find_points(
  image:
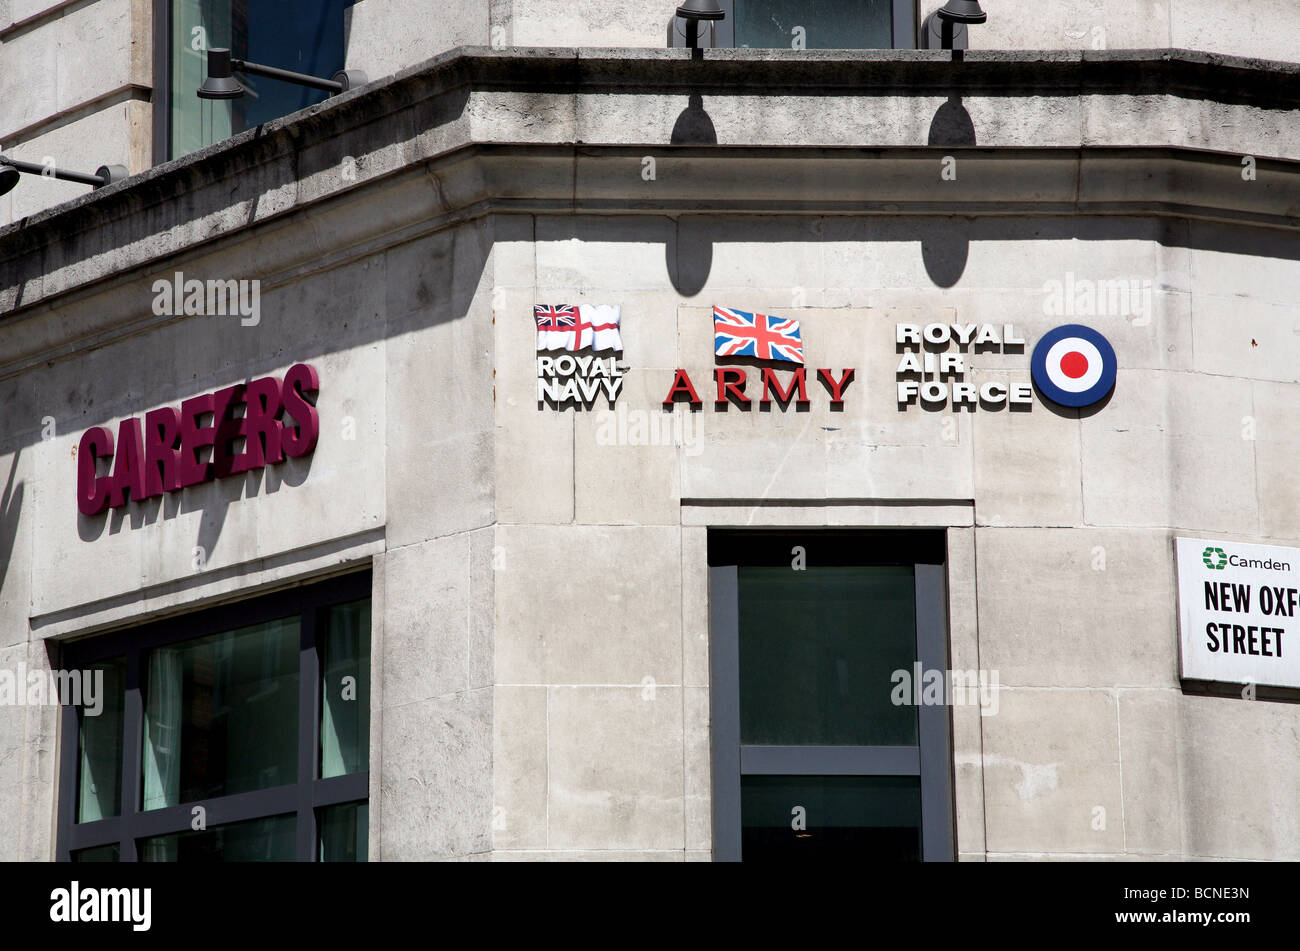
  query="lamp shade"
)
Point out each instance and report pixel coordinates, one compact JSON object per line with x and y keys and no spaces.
{"x":700,"y":10}
{"x":111,"y":174}
{"x":8,"y":179}
{"x":963,"y":11}
{"x":221,"y":83}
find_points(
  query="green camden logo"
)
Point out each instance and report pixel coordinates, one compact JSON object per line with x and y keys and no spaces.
{"x":1214,"y":558}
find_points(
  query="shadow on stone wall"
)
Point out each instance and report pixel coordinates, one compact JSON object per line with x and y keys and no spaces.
{"x":213,"y":499}
{"x":444,"y":278}
{"x":11,"y":506}
{"x":689,"y":252}
{"x":946,"y":252}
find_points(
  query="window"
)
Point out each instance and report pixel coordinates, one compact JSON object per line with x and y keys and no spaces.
{"x":241,"y":733}
{"x":305,"y":36}
{"x":813,"y":757}
{"x":818,"y":24}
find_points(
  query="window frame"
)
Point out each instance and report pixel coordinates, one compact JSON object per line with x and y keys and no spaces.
{"x":163,"y":60}
{"x":303,"y":797}
{"x":162,"y":81}
{"x":905,"y":18}
{"x":930,"y":759}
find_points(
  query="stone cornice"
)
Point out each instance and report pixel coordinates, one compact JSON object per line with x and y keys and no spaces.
{"x":541,"y":130}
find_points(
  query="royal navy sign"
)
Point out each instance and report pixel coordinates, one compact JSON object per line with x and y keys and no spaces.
{"x":1237,"y":609}
{"x":575,"y":377}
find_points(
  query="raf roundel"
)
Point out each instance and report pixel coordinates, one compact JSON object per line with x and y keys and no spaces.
{"x":1074,"y":366}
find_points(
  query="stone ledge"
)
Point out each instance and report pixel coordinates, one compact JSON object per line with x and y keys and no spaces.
{"x":482,"y":180}
{"x":427,"y":114}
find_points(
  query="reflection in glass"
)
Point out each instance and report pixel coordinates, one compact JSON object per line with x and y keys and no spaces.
{"x":100,"y":853}
{"x":259,"y":840}
{"x":818,"y":649}
{"x":344,"y":832}
{"x":345,"y":691}
{"x":822,"y":24}
{"x":221,"y":715}
{"x":877,"y":818}
{"x":99,"y":786}
{"x":305,"y":36}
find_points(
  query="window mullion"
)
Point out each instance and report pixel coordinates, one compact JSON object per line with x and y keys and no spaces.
{"x":724,"y":659}
{"x":308,"y":720}
{"x":132,"y":745}
{"x":830,"y":761}
{"x":905,"y":25}
{"x":220,"y":811}
{"x":936,"y":761}
{"x":69,"y":768}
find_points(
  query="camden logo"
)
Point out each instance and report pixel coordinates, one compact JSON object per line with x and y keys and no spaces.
{"x":1216,"y":560}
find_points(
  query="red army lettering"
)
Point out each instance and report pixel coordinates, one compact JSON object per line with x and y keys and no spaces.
{"x":730,"y":382}
{"x":772,"y":384}
{"x":682,"y":385}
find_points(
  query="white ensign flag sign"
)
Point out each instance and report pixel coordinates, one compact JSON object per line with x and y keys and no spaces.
{"x":1237,"y":609}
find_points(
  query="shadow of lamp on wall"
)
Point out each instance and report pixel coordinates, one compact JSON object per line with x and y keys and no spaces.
{"x":945,"y":244}
{"x":945,"y":249}
{"x":689,"y":252}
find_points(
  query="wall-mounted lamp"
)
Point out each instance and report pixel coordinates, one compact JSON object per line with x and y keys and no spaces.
{"x":10,"y":169}
{"x":693,"y":11}
{"x":222,"y":84}
{"x":954,"y":12}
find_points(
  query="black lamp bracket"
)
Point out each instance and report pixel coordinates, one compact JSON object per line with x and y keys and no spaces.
{"x":104,"y":175}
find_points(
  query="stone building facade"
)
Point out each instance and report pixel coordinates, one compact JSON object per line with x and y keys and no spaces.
{"x":546,"y":580}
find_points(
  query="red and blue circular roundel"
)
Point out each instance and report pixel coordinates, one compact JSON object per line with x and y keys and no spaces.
{"x":1074,"y":365}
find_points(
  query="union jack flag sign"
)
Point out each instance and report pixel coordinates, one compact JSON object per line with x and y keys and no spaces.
{"x":738,"y":334}
{"x":576,"y":327}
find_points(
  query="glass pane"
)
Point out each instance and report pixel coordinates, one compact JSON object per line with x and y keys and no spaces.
{"x":100,"y":853}
{"x":102,"y":719}
{"x":864,"y":818}
{"x":221,"y":715}
{"x":197,"y":25}
{"x":305,"y":36}
{"x":344,"y":832}
{"x":259,"y":840}
{"x":818,"y":649}
{"x":345,"y":687}
{"x":826,"y":24}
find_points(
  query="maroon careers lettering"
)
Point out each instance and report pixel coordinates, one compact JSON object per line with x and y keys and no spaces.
{"x":163,"y":454}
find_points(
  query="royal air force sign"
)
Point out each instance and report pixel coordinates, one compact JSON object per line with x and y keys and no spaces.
{"x":1074,"y":366}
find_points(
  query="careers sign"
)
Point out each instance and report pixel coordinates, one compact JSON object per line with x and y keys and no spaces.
{"x":1237,"y":609}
